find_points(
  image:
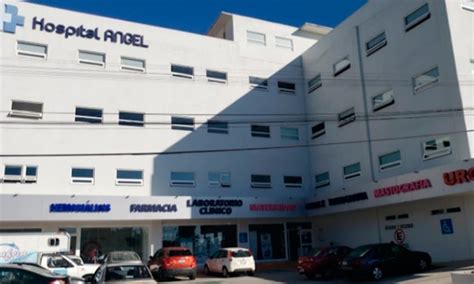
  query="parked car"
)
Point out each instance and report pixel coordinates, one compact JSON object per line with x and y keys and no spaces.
{"x":120,"y":256}
{"x":173,"y":261}
{"x":70,"y":265}
{"x":378,"y":260}
{"x":324,"y":261}
{"x":230,"y":260}
{"x":13,"y":273}
{"x":123,"y":272}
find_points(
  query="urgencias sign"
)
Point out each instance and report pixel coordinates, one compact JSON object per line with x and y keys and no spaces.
{"x":458,"y":177}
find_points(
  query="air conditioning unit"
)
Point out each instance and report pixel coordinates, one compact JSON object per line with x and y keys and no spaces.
{"x":437,"y":153}
{"x":25,"y":114}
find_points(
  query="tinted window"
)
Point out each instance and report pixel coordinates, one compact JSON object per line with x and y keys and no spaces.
{"x":360,"y":251}
{"x":179,"y":253}
{"x":127,"y":272}
{"x":241,"y":253}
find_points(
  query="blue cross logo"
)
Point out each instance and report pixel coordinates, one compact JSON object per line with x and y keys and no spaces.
{"x":9,"y":18}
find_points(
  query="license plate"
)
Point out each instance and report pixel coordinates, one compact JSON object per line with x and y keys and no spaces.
{"x":181,"y":261}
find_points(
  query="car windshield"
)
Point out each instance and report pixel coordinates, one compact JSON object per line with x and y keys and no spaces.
{"x":241,"y":253}
{"x":123,"y":272}
{"x":320,"y":252}
{"x":77,"y":260}
{"x":182,"y":252}
{"x":120,"y":256}
{"x":360,"y":251}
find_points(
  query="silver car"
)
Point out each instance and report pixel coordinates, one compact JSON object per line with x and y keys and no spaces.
{"x":123,"y":272}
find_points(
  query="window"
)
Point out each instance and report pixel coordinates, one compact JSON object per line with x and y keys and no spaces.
{"x":318,"y":130}
{"x":375,"y":44}
{"x":322,"y":180}
{"x":383,"y":100}
{"x":91,"y":58}
{"x":219,"y":179}
{"x":129,"y":177}
{"x":261,"y":181}
{"x":132,"y":64}
{"x":20,"y":173}
{"x":31,"y":49}
{"x":285,"y":43}
{"x":423,"y":81}
{"x":437,"y":211}
{"x":390,"y":160}
{"x":289,"y":133}
{"x":417,"y":17}
{"x":182,"y":179}
{"x":402,"y":216}
{"x":258,"y":83}
{"x":314,"y":83}
{"x":260,"y":131}
{"x":352,"y":171}
{"x":26,"y":109}
{"x":436,"y":148}
{"x":131,"y":118}
{"x":181,"y":71}
{"x":341,"y":66}
{"x":90,"y":115}
{"x":82,"y":176}
{"x":256,"y":38}
{"x":390,"y":218}
{"x":286,"y":87}
{"x":216,"y":76}
{"x":214,"y":126}
{"x":293,"y":181}
{"x":346,"y":117}
{"x":182,"y":123}
{"x":453,"y":210}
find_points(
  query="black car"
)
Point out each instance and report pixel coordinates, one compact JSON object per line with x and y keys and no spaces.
{"x":29,"y":274}
{"x":378,"y":260}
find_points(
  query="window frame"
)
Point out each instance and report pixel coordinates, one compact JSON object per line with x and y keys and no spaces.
{"x":217,"y":130}
{"x":82,"y":180}
{"x":94,"y":119}
{"x":293,"y":185}
{"x":320,"y":132}
{"x":343,"y":119}
{"x":283,"y":90}
{"x":337,"y":72}
{"x":290,"y":137}
{"x":31,"y":54}
{"x":180,"y":75}
{"x":291,"y":47}
{"x":260,"y":134}
{"x":183,"y":126}
{"x":323,"y":183}
{"x":391,"y":165}
{"x":352,"y":175}
{"x":317,"y":84}
{"x":257,"y":42}
{"x":131,"y":122}
{"x":377,"y":46}
{"x":257,"y":184}
{"x":129,"y":181}
{"x":262,"y":87}
{"x":422,"y":18}
{"x":384,"y":104}
{"x":91,"y":62}
{"x":420,"y":88}
{"x":25,"y":113}
{"x":22,"y":177}
{"x":132,"y":68}
{"x":182,"y":183}
{"x":216,"y":80}
{"x":222,"y":182}
{"x":445,"y":151}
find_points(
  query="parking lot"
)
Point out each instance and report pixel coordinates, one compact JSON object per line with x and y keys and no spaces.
{"x":440,"y":274}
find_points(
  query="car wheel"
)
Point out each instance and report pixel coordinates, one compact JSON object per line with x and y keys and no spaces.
{"x":251,"y":273}
{"x":206,"y":270}
{"x":422,"y":264}
{"x":192,"y":276}
{"x":377,"y":273}
{"x":88,"y":278}
{"x":225,"y":272}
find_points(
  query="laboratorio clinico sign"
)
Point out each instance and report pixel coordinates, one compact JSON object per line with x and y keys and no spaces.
{"x":214,"y":206}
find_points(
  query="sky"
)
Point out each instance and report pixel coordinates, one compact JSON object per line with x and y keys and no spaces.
{"x":197,"y":16}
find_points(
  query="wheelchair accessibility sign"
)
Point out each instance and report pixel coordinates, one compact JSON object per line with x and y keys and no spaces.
{"x":446,"y":226}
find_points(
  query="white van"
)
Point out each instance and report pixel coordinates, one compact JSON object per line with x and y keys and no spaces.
{"x":70,"y":265}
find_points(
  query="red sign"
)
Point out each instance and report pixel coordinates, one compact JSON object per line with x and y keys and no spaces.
{"x":459,"y":176}
{"x":402,"y":188}
{"x":273,"y":207}
{"x":399,"y":236}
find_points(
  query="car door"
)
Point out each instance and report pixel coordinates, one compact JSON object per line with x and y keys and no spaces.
{"x":221,"y":260}
{"x":403,"y":260}
{"x":211,"y":262}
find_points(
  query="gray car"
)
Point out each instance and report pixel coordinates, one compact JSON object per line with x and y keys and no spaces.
{"x":123,"y":272}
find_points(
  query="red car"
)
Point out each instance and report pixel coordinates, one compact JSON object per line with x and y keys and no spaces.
{"x":324,"y":262}
{"x":173,"y":261}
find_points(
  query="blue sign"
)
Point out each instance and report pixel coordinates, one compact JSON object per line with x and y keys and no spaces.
{"x":79,"y":208}
{"x":152,"y":208}
{"x":243,"y":238}
{"x":9,"y":18}
{"x":446,"y":226}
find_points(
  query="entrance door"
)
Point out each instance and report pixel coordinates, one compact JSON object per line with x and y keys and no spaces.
{"x":306,"y":242}
{"x":300,"y":239}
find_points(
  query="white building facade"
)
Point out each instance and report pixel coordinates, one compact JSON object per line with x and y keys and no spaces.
{"x":258,"y":134}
